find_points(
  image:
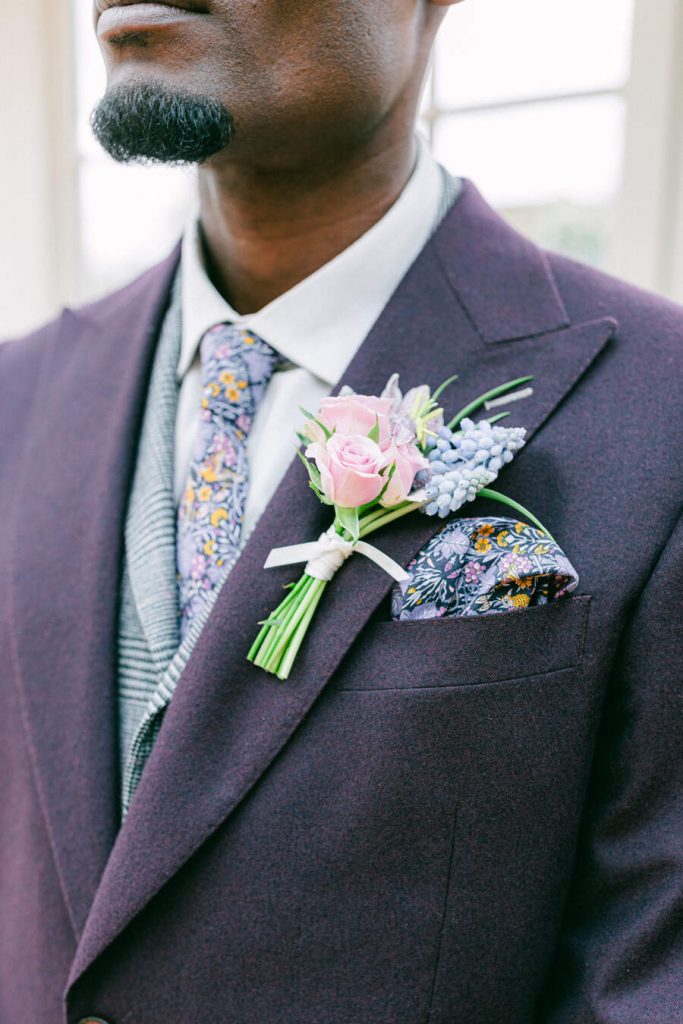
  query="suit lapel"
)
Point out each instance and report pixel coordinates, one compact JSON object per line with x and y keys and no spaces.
{"x":227,"y":720}
{"x":66,"y":571}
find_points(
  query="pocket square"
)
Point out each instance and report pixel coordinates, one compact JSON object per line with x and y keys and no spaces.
{"x":480,"y":567}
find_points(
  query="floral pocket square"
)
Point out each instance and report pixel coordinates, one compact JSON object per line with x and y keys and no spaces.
{"x":482,"y":566}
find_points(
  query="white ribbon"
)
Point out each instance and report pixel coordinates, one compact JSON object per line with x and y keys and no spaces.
{"x":325,"y":556}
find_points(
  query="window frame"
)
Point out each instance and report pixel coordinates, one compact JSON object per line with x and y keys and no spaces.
{"x":649,"y":239}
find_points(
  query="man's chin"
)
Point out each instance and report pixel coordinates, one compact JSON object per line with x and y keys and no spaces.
{"x":151,"y":122}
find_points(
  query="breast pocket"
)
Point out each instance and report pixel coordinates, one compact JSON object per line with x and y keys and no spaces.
{"x":472,"y":651}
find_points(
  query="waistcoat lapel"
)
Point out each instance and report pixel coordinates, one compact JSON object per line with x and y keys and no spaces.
{"x":480,"y":301}
{"x":66,"y":577}
{"x":150,"y":535}
{"x":148,"y":618}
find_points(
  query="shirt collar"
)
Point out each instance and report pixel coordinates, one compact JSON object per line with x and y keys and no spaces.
{"x":320,"y":323}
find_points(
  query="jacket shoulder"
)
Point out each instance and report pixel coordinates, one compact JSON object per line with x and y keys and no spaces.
{"x":57,"y":345}
{"x":644,"y":319}
{"x":20,"y":354}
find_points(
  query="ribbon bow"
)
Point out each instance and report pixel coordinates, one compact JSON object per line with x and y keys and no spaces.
{"x":325,"y":556}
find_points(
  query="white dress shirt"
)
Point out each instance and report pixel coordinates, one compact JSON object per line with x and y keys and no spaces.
{"x":318,"y":326}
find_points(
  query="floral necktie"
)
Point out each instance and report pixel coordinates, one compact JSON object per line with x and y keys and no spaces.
{"x":236,"y":368}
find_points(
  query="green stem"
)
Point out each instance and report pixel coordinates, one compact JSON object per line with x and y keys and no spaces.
{"x":289,"y":629}
{"x":256,"y":646}
{"x":290,"y":653}
{"x":286,"y":602}
{"x":371,"y":524}
{"x":280,"y":630}
{"x":270,"y":622}
{"x":280,"y":619}
{"x":442,"y":387}
{"x":504,"y":500}
{"x":478,"y":402}
{"x":372,"y":516}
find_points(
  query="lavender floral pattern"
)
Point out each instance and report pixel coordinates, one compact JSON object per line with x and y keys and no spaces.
{"x":482,"y":566}
{"x":236,"y":368}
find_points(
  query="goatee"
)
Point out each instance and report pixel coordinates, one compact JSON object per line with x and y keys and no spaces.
{"x":149,"y":123}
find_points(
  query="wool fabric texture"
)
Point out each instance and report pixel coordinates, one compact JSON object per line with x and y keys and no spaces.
{"x":345,"y":846}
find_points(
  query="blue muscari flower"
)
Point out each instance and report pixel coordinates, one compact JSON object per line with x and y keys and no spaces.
{"x":462,"y":463}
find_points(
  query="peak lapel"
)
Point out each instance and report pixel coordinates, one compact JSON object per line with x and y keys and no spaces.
{"x":228,"y":721}
{"x":66,"y":572}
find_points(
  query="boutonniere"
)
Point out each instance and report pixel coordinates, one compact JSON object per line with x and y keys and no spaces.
{"x":374,"y":459}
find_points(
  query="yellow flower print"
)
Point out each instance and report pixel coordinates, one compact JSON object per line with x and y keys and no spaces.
{"x":209,"y":474}
{"x":241,"y":384}
{"x":541,"y":549}
{"x":232,"y":394}
{"x":210,"y":547}
{"x":519,"y":527}
{"x":205,"y":403}
{"x":483,"y":545}
{"x":218,"y":516}
{"x":502,"y":538}
{"x":204,"y":494}
{"x":520,"y":601}
{"x":525,"y":582}
{"x":485,"y":530}
{"x":214,"y":390}
{"x":190,"y":495}
{"x":227,"y":378}
{"x":248,"y":340}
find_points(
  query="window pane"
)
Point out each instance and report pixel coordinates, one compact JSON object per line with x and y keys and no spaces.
{"x":497,"y":50}
{"x":554,"y":167}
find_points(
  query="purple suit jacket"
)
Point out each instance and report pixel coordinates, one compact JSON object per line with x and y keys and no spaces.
{"x":468,"y":821}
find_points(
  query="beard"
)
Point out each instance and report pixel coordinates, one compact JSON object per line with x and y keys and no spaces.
{"x":149,"y":123}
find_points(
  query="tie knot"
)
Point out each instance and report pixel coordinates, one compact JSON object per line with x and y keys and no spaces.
{"x":236,"y":368}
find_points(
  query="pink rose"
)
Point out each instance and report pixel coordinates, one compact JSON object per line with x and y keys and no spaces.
{"x":357,"y":414}
{"x":409,"y":461}
{"x":349,"y":469}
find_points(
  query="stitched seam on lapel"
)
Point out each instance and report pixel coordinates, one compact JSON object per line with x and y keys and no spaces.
{"x":16,"y":661}
{"x":562,"y":318}
{"x":442,"y":929}
{"x":552,"y":281}
{"x":36,"y":775}
{"x":553,"y":405}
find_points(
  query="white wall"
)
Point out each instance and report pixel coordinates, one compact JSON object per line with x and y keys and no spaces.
{"x":37,"y":173}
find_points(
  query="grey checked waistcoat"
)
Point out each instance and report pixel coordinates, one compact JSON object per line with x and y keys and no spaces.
{"x":149,"y":659}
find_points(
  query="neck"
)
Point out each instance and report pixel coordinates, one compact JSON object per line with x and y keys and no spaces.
{"x":266,"y":230}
